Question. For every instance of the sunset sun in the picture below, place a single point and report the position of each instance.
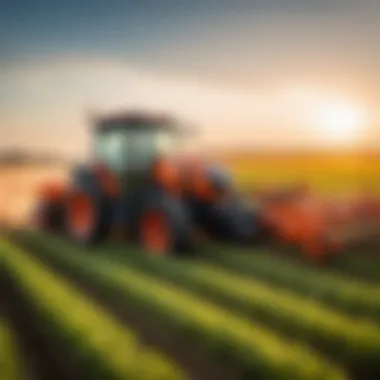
(339, 121)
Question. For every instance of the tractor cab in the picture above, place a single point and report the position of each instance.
(130, 142)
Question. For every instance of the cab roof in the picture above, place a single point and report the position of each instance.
(135, 120)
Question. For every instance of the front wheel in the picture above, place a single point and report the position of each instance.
(165, 227)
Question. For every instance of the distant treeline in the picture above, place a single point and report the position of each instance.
(19, 157)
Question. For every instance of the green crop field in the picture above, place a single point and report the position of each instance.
(11, 365)
(228, 313)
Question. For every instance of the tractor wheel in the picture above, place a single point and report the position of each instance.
(87, 218)
(234, 222)
(165, 228)
(48, 217)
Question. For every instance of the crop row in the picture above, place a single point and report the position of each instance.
(350, 341)
(256, 350)
(97, 342)
(352, 296)
(11, 367)
(358, 266)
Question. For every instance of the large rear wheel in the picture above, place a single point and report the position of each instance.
(86, 218)
(48, 216)
(232, 221)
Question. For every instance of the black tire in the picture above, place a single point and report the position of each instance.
(178, 219)
(86, 182)
(48, 217)
(234, 222)
(99, 231)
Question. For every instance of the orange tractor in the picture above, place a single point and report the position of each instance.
(138, 184)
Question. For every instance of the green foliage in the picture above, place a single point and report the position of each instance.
(358, 265)
(350, 340)
(352, 296)
(103, 348)
(259, 352)
(11, 366)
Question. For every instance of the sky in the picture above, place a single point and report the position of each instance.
(280, 73)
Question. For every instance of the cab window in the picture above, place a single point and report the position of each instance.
(111, 149)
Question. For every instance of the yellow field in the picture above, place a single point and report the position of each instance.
(324, 173)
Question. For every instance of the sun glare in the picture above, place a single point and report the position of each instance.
(339, 121)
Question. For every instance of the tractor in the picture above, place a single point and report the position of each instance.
(139, 184)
